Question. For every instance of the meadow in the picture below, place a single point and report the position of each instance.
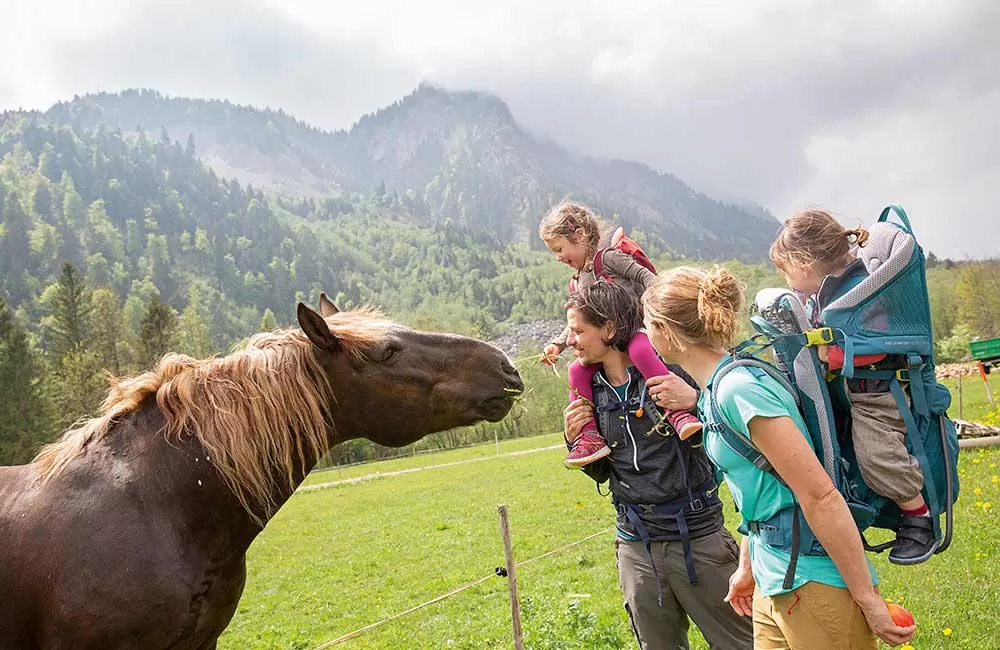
(339, 558)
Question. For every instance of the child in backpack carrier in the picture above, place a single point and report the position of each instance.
(573, 233)
(816, 255)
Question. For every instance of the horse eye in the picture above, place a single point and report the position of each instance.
(390, 351)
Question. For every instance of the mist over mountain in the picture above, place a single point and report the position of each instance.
(461, 153)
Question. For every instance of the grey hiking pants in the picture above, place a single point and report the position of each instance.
(666, 628)
(879, 443)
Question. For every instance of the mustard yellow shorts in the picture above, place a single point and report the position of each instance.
(813, 617)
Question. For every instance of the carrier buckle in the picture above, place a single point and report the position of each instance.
(697, 505)
(903, 374)
(819, 336)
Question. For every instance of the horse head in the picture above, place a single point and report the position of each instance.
(393, 385)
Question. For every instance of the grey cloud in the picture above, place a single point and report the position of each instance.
(246, 54)
(784, 104)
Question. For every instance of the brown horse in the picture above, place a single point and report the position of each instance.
(131, 531)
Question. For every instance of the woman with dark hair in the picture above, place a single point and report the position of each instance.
(674, 556)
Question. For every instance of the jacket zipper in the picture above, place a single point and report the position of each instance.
(635, 447)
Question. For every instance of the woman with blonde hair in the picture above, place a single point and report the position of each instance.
(692, 317)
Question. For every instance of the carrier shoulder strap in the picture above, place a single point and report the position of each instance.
(599, 271)
(736, 441)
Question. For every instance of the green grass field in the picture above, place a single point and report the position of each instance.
(975, 403)
(339, 558)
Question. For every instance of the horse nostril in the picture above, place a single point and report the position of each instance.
(511, 374)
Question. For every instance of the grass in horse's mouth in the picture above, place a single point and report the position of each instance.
(516, 395)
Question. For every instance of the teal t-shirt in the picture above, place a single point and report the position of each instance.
(743, 395)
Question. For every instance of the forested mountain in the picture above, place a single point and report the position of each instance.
(142, 216)
(461, 153)
(117, 246)
(115, 249)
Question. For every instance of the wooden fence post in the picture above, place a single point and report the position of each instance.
(961, 398)
(508, 551)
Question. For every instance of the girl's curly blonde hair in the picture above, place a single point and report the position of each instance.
(568, 218)
(813, 239)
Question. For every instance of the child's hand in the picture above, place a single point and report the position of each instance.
(550, 354)
(823, 352)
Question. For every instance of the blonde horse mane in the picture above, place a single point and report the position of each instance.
(259, 413)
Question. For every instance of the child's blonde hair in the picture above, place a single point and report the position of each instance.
(691, 306)
(568, 218)
(813, 239)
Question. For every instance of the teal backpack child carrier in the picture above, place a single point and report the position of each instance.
(886, 313)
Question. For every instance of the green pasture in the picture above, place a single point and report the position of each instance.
(975, 402)
(339, 558)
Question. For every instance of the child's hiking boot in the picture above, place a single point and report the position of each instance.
(915, 540)
(685, 423)
(588, 447)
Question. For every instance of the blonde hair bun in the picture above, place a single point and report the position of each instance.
(692, 306)
(720, 296)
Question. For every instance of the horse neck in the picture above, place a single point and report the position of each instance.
(269, 440)
(231, 518)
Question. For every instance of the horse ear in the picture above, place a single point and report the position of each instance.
(327, 306)
(316, 329)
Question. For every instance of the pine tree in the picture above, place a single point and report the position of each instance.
(23, 421)
(108, 329)
(268, 322)
(156, 331)
(194, 337)
(69, 325)
(14, 247)
(77, 386)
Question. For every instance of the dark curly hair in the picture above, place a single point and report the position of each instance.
(605, 302)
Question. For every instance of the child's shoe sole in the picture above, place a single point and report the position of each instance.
(689, 429)
(577, 463)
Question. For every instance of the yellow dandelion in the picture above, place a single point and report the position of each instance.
(975, 461)
(995, 479)
(946, 631)
(979, 492)
(987, 505)
(993, 465)
(907, 647)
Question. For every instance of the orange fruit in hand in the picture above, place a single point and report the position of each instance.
(899, 615)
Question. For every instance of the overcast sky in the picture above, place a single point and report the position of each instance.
(843, 105)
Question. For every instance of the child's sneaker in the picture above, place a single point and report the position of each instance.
(915, 540)
(684, 423)
(588, 447)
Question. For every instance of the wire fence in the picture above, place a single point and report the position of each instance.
(410, 470)
(499, 571)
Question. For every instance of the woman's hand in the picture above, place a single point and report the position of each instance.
(741, 586)
(672, 393)
(577, 414)
(879, 620)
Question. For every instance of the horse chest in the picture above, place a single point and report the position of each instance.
(212, 602)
